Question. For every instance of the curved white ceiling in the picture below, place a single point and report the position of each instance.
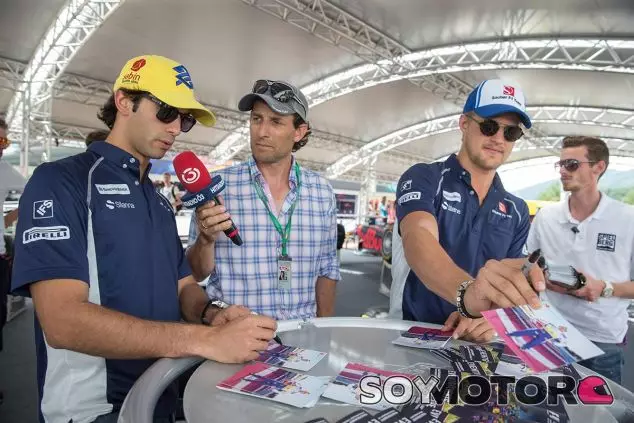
(357, 53)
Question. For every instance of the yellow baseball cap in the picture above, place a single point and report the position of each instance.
(167, 80)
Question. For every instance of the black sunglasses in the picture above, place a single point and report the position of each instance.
(279, 91)
(168, 114)
(570, 164)
(489, 127)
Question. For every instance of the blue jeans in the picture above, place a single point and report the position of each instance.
(112, 418)
(610, 364)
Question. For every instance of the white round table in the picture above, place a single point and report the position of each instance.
(354, 340)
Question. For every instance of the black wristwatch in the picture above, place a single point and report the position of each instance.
(462, 289)
(214, 302)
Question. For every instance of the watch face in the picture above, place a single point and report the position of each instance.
(219, 304)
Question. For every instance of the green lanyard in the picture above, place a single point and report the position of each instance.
(287, 231)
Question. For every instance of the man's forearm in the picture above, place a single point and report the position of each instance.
(193, 300)
(433, 266)
(201, 258)
(325, 290)
(624, 290)
(95, 330)
(11, 217)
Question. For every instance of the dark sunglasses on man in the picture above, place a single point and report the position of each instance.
(279, 91)
(168, 114)
(489, 127)
(570, 165)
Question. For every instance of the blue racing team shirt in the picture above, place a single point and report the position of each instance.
(92, 218)
(470, 234)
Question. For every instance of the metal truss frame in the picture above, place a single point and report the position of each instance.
(578, 115)
(30, 107)
(332, 24)
(578, 53)
(388, 60)
(93, 92)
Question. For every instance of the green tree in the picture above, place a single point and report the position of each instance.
(624, 194)
(629, 196)
(552, 193)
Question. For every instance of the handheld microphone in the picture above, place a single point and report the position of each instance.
(201, 187)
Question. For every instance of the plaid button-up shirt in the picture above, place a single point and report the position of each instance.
(247, 275)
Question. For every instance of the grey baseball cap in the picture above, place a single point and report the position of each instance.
(280, 96)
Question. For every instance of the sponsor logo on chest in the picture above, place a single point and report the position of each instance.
(450, 208)
(606, 242)
(113, 189)
(118, 205)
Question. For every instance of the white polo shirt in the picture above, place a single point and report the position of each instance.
(603, 249)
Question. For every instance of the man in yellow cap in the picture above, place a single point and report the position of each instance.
(98, 250)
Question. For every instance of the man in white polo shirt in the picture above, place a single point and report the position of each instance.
(594, 234)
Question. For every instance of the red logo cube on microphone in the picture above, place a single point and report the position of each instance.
(508, 90)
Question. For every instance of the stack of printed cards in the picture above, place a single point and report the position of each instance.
(420, 337)
(345, 387)
(275, 384)
(542, 338)
(290, 357)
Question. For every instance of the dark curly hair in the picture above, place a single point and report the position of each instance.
(108, 112)
(3, 124)
(98, 135)
(297, 121)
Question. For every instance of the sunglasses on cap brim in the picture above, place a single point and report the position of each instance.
(489, 127)
(278, 90)
(570, 165)
(168, 114)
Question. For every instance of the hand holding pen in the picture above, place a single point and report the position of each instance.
(507, 283)
(535, 260)
(276, 338)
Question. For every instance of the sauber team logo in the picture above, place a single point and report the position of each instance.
(502, 207)
(508, 90)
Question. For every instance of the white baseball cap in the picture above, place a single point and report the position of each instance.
(494, 97)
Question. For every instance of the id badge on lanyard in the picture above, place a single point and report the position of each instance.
(284, 272)
(284, 261)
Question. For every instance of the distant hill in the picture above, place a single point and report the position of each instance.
(612, 179)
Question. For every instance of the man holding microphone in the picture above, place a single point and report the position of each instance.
(287, 267)
(98, 251)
